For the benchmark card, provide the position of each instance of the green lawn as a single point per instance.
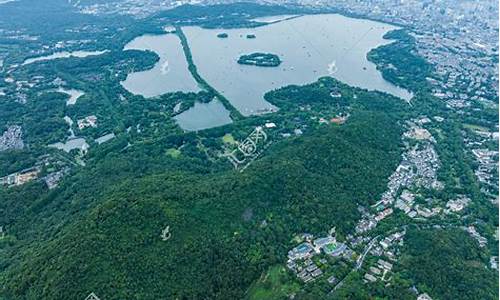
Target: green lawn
(275, 284)
(174, 153)
(228, 139)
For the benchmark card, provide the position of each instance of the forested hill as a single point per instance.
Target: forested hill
(227, 227)
(161, 212)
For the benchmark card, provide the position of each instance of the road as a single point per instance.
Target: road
(359, 263)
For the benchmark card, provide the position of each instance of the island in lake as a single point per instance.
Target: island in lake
(260, 59)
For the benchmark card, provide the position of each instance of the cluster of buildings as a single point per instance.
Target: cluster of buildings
(339, 119)
(494, 262)
(358, 240)
(383, 214)
(307, 272)
(300, 258)
(405, 202)
(464, 72)
(425, 212)
(473, 232)
(426, 162)
(457, 205)
(387, 250)
(418, 168)
(389, 246)
(367, 221)
(51, 168)
(389, 241)
(12, 138)
(482, 143)
(18, 90)
(20, 178)
(379, 271)
(468, 22)
(458, 38)
(90, 121)
(136, 8)
(463, 53)
(488, 164)
(52, 179)
(418, 133)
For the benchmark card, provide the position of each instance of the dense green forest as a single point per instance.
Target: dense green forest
(447, 263)
(100, 230)
(114, 248)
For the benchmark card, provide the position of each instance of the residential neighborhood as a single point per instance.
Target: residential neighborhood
(12, 139)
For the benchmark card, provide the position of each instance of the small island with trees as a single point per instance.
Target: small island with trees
(222, 35)
(260, 59)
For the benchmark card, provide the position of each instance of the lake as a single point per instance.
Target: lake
(169, 74)
(63, 54)
(70, 144)
(203, 115)
(309, 46)
(74, 95)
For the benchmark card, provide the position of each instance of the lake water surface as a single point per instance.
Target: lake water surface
(73, 95)
(70, 144)
(63, 54)
(310, 47)
(170, 73)
(204, 115)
